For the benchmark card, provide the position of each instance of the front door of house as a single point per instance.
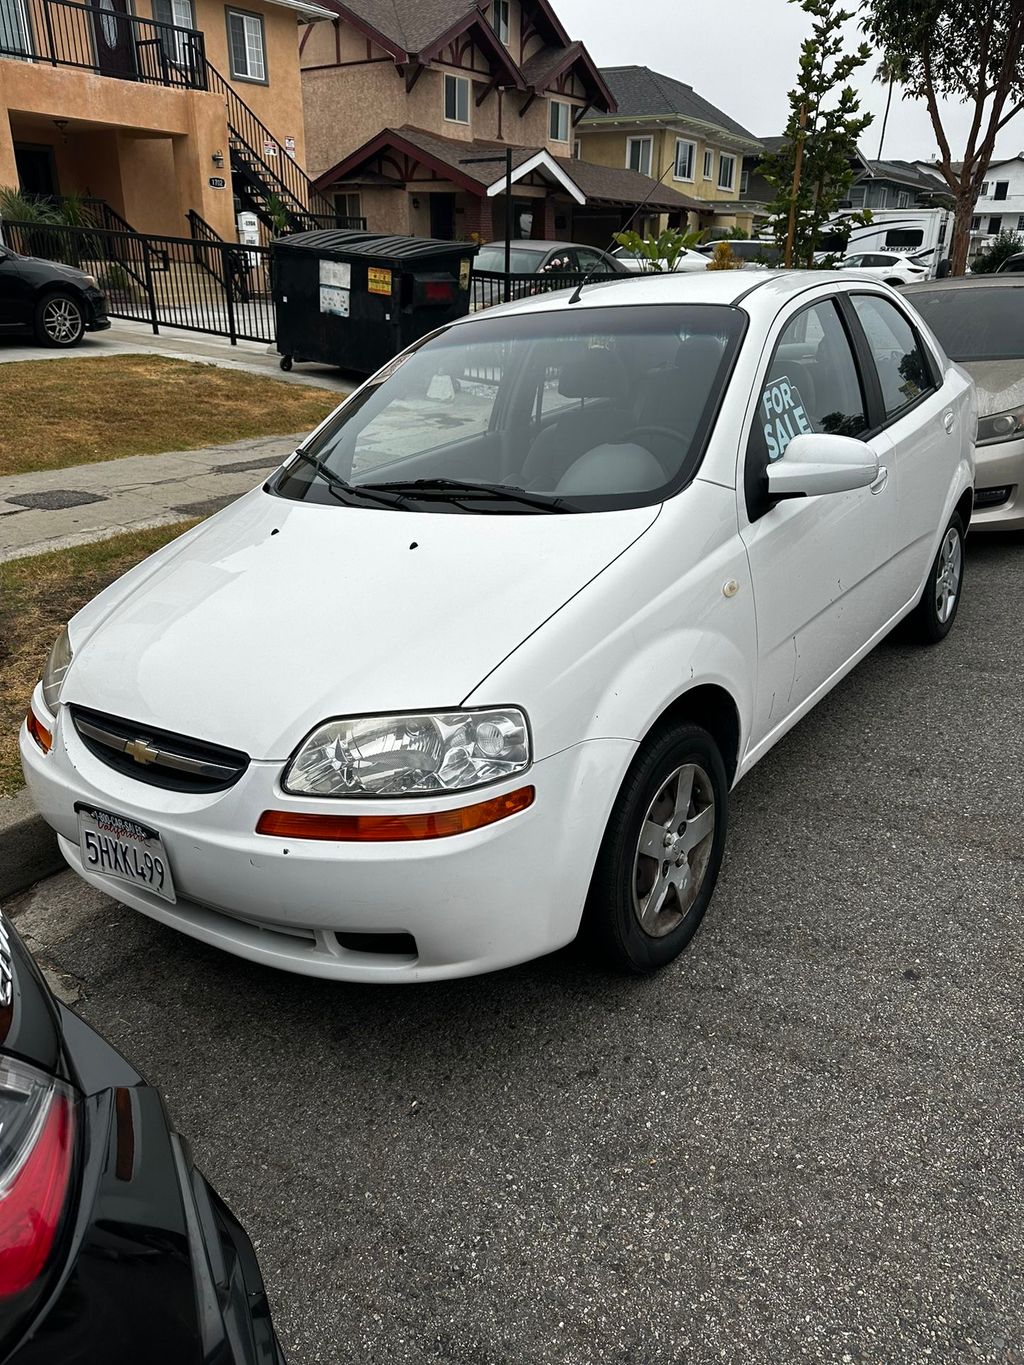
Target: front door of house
(442, 216)
(113, 38)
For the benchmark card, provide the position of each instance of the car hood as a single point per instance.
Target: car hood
(275, 615)
(999, 384)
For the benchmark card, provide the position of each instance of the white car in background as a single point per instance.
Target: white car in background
(891, 267)
(478, 666)
(638, 265)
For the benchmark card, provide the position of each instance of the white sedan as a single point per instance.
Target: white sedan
(687, 260)
(479, 665)
(891, 267)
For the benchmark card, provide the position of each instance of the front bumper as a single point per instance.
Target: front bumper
(1001, 467)
(97, 320)
(471, 903)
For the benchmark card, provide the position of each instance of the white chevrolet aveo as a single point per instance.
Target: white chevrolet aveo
(478, 666)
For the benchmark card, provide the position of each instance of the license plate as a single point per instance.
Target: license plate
(118, 847)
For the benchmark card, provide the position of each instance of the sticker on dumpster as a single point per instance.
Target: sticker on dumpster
(378, 280)
(334, 300)
(784, 416)
(338, 273)
(464, 275)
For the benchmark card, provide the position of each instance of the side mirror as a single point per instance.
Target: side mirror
(815, 464)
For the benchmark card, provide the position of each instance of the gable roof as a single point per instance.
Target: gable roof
(906, 173)
(640, 92)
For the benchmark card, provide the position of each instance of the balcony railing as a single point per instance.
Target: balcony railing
(99, 38)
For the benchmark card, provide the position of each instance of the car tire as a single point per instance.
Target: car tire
(893, 281)
(643, 910)
(59, 321)
(932, 619)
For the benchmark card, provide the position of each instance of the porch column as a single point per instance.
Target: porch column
(479, 217)
(8, 165)
(194, 168)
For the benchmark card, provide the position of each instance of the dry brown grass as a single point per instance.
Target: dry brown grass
(38, 595)
(56, 413)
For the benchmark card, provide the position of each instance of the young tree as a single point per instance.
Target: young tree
(813, 170)
(970, 51)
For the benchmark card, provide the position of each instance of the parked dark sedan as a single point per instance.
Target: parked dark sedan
(56, 303)
(113, 1248)
(529, 257)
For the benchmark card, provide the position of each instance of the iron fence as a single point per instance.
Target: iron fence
(205, 285)
(489, 286)
(103, 40)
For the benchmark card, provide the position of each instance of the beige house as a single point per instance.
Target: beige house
(157, 107)
(410, 106)
(663, 128)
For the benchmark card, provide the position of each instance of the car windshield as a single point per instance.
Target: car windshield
(523, 262)
(982, 322)
(575, 410)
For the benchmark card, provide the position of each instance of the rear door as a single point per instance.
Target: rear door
(820, 567)
(922, 418)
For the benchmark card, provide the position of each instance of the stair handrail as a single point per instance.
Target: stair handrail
(240, 116)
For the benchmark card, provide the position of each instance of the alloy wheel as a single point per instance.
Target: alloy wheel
(947, 580)
(62, 321)
(673, 850)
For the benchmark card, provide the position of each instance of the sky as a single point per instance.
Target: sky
(746, 66)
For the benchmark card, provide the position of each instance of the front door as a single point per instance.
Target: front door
(821, 568)
(113, 38)
(37, 174)
(442, 216)
(15, 293)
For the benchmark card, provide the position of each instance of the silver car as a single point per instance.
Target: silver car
(980, 323)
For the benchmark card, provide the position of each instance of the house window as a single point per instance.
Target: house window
(857, 194)
(246, 49)
(881, 197)
(15, 33)
(685, 154)
(456, 99)
(995, 224)
(1020, 223)
(176, 46)
(744, 181)
(638, 154)
(501, 19)
(1002, 189)
(902, 199)
(558, 121)
(984, 189)
(976, 224)
(348, 206)
(726, 171)
(709, 164)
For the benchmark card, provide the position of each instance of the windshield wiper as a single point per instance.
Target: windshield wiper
(454, 489)
(340, 488)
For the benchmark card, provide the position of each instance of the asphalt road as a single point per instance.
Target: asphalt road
(803, 1142)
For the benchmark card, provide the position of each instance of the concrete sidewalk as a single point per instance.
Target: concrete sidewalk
(58, 507)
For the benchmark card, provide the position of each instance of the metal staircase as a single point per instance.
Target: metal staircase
(266, 179)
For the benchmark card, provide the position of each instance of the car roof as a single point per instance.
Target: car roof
(774, 287)
(1006, 281)
(542, 247)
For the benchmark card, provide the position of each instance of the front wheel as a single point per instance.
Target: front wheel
(933, 617)
(662, 851)
(60, 321)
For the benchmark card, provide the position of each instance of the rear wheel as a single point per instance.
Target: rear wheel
(933, 617)
(894, 282)
(662, 851)
(60, 320)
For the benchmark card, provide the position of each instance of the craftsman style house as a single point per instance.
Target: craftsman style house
(411, 104)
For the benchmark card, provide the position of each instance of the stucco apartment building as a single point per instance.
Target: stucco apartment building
(411, 104)
(157, 106)
(661, 127)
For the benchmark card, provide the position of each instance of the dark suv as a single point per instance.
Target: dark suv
(57, 303)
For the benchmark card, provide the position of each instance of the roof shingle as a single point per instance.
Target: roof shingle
(641, 92)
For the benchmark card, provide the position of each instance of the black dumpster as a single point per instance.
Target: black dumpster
(355, 299)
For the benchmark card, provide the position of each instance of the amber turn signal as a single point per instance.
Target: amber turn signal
(367, 829)
(39, 732)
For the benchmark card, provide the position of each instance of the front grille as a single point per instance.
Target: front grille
(159, 757)
(991, 497)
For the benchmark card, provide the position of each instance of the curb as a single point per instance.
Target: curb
(28, 846)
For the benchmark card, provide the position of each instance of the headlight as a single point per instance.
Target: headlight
(57, 666)
(1001, 426)
(405, 755)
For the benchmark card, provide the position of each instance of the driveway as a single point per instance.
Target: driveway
(800, 1143)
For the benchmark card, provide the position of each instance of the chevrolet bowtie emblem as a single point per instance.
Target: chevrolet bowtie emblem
(142, 751)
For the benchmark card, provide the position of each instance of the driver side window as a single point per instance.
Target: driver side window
(812, 385)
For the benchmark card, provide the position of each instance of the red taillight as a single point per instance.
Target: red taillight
(37, 1137)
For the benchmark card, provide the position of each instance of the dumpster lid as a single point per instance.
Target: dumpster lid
(351, 242)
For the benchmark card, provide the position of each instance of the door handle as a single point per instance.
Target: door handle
(949, 422)
(880, 482)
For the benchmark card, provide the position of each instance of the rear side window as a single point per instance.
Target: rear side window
(903, 371)
(812, 385)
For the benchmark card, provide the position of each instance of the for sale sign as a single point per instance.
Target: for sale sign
(783, 415)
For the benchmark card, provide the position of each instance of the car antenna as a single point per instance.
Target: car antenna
(629, 223)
